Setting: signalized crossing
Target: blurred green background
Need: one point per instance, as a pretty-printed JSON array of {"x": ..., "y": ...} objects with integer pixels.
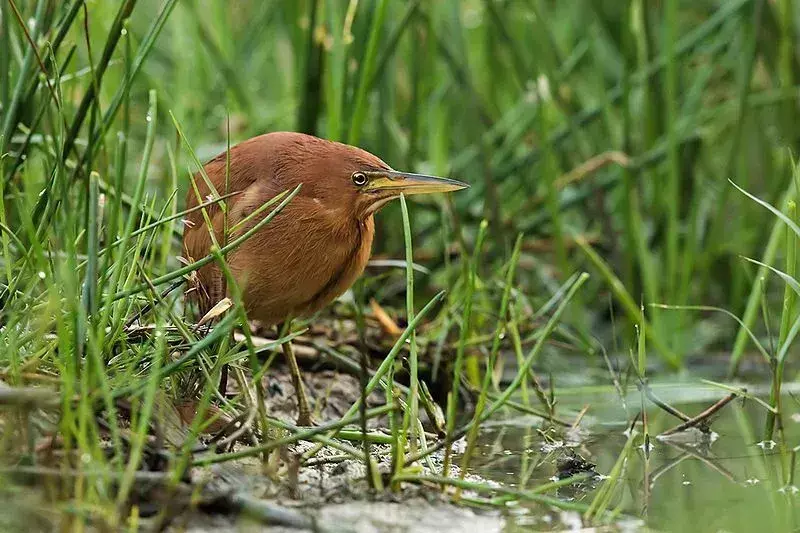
[{"x": 606, "y": 131}]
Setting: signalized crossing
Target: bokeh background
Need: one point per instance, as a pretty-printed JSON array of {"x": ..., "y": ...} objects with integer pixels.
[{"x": 605, "y": 131}]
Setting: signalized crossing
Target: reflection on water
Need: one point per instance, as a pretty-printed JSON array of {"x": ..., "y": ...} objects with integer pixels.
[{"x": 728, "y": 480}]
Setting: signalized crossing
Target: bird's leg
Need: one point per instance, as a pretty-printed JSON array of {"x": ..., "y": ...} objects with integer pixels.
[
  {"x": 304, "y": 416},
  {"x": 304, "y": 413},
  {"x": 223, "y": 381}
]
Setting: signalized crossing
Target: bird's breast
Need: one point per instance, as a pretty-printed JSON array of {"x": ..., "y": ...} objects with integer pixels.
[{"x": 300, "y": 262}]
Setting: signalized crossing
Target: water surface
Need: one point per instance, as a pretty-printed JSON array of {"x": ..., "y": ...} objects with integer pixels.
[{"x": 728, "y": 480}]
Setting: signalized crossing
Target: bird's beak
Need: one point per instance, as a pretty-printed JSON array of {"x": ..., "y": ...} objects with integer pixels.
[{"x": 391, "y": 181}]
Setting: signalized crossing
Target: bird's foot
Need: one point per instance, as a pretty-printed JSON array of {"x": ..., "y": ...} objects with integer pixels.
[
  {"x": 305, "y": 420},
  {"x": 304, "y": 411}
]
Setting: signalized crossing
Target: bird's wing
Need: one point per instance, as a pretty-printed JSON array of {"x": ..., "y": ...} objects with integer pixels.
[
  {"x": 251, "y": 176},
  {"x": 208, "y": 285}
]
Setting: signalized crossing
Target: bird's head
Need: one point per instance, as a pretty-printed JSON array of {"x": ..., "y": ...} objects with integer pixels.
[
  {"x": 362, "y": 183},
  {"x": 376, "y": 187}
]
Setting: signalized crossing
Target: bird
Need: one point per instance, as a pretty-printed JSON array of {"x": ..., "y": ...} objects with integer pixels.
[{"x": 314, "y": 249}]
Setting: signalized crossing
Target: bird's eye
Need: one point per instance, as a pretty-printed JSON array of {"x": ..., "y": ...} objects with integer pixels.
[{"x": 359, "y": 178}]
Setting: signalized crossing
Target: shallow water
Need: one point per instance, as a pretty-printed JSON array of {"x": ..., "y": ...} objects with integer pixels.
[{"x": 729, "y": 480}]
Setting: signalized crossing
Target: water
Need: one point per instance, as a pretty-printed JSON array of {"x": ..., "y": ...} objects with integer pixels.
[{"x": 729, "y": 480}]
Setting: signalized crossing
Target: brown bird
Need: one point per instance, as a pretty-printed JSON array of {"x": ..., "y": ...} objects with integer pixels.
[{"x": 316, "y": 247}]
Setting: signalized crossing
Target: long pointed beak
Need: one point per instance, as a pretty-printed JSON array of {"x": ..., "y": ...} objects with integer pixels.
[{"x": 407, "y": 183}]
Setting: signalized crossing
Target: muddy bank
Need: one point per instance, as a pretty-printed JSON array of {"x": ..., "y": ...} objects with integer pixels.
[
  {"x": 330, "y": 495},
  {"x": 330, "y": 492}
]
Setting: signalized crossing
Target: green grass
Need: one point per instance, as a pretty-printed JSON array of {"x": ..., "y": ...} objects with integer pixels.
[{"x": 107, "y": 108}]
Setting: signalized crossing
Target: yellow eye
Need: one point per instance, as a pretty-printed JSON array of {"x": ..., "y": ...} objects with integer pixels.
[{"x": 359, "y": 178}]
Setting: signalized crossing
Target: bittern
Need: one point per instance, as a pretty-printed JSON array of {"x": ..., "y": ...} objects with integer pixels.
[{"x": 315, "y": 248}]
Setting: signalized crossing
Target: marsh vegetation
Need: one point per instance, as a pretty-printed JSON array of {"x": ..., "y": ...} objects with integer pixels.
[{"x": 601, "y": 330}]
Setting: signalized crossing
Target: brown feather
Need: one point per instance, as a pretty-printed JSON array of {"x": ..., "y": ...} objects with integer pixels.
[{"x": 312, "y": 251}]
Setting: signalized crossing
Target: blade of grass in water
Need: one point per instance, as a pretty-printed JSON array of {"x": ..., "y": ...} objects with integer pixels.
[
  {"x": 641, "y": 349},
  {"x": 534, "y": 495},
  {"x": 452, "y": 395},
  {"x": 790, "y": 293},
  {"x": 770, "y": 251},
  {"x": 490, "y": 362},
  {"x": 787, "y": 317},
  {"x": 626, "y": 300},
  {"x": 574, "y": 284},
  {"x": 602, "y": 499},
  {"x": 741, "y": 323},
  {"x": 672, "y": 198}
]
